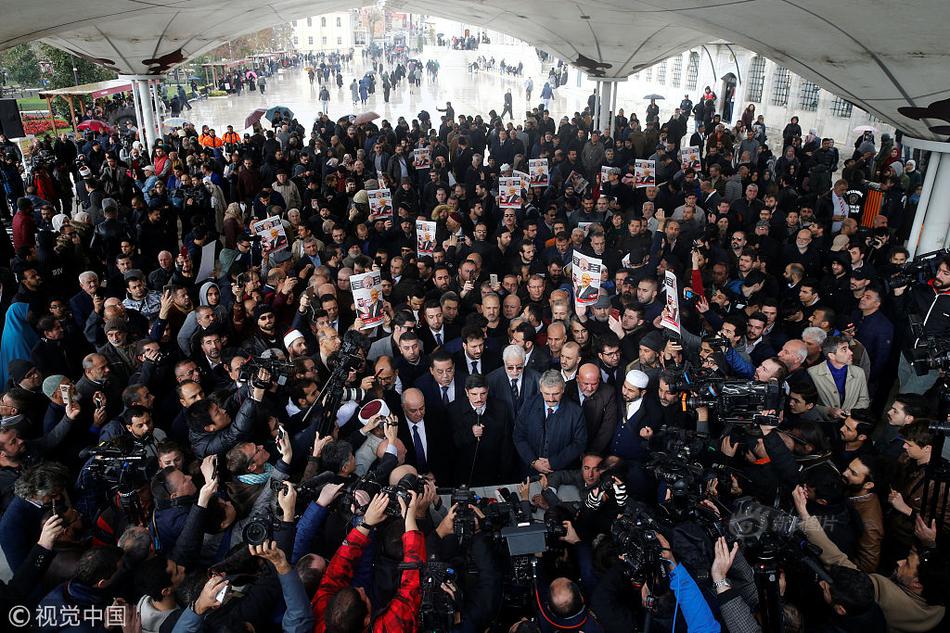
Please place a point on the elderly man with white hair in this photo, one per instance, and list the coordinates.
(513, 383)
(81, 304)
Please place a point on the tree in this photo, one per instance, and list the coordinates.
(21, 66)
(62, 64)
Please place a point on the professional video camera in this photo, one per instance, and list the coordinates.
(350, 357)
(918, 270)
(733, 400)
(437, 610)
(280, 371)
(635, 534)
(124, 465)
(401, 490)
(929, 352)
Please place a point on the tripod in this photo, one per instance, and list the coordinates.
(936, 484)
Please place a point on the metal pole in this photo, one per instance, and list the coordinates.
(922, 205)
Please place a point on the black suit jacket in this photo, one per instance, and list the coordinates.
(600, 414)
(449, 332)
(540, 360)
(499, 386)
(439, 453)
(492, 463)
(433, 394)
(488, 363)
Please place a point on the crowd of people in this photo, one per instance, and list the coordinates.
(169, 459)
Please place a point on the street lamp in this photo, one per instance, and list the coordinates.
(76, 75)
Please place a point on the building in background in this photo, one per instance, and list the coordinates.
(327, 32)
(740, 77)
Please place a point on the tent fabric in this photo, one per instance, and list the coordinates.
(845, 46)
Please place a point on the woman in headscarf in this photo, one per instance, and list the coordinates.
(19, 337)
(233, 225)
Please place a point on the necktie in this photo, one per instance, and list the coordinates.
(445, 396)
(438, 339)
(550, 412)
(420, 450)
(514, 393)
(474, 367)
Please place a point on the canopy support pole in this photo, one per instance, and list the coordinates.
(932, 220)
(52, 119)
(72, 112)
(147, 122)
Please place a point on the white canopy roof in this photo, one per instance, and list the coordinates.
(880, 56)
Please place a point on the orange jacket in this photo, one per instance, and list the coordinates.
(232, 137)
(206, 140)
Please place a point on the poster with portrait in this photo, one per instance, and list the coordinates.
(524, 176)
(576, 180)
(380, 203)
(671, 315)
(271, 232)
(689, 158)
(540, 175)
(509, 192)
(585, 226)
(425, 237)
(585, 275)
(422, 158)
(368, 298)
(645, 173)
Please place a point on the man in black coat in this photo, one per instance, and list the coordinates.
(597, 400)
(481, 433)
(427, 437)
(550, 433)
(440, 386)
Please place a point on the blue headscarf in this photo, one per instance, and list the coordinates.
(19, 337)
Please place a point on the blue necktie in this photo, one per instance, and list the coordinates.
(438, 339)
(445, 396)
(420, 450)
(514, 393)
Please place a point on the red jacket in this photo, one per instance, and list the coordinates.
(400, 614)
(24, 229)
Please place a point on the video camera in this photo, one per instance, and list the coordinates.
(918, 270)
(929, 352)
(280, 371)
(737, 401)
(437, 610)
(635, 534)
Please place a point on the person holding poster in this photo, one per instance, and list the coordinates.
(367, 298)
(425, 237)
(585, 275)
(645, 175)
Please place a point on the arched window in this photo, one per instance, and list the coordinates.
(309, 21)
(677, 71)
(841, 108)
(756, 80)
(661, 73)
(692, 71)
(780, 86)
(323, 21)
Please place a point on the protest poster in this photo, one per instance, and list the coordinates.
(645, 173)
(540, 176)
(585, 226)
(206, 269)
(577, 181)
(422, 158)
(368, 298)
(380, 203)
(689, 158)
(671, 315)
(585, 275)
(425, 237)
(271, 232)
(525, 178)
(509, 192)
